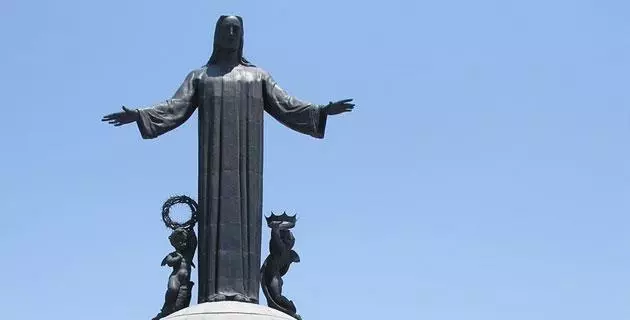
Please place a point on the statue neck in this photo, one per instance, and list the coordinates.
(227, 58)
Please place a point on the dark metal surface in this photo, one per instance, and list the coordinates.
(276, 265)
(184, 240)
(230, 95)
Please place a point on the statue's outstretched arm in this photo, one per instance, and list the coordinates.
(162, 117)
(170, 114)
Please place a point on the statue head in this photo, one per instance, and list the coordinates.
(229, 33)
(228, 37)
(179, 239)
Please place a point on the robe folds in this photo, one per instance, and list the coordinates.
(231, 106)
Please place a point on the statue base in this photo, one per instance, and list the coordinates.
(228, 310)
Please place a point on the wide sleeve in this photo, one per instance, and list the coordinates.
(298, 115)
(170, 114)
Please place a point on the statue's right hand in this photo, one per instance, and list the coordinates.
(123, 117)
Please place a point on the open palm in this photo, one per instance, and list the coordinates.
(123, 117)
(339, 107)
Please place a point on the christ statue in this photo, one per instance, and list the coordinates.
(230, 95)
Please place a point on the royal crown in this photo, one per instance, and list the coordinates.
(284, 217)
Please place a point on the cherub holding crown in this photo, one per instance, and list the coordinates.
(281, 255)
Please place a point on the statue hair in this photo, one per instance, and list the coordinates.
(215, 49)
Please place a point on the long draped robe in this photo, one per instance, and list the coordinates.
(231, 106)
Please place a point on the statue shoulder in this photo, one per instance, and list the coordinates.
(256, 71)
(196, 73)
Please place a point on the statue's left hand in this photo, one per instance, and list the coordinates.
(339, 107)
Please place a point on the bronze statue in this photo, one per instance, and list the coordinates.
(231, 96)
(281, 255)
(179, 289)
(184, 240)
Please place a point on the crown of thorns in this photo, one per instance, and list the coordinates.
(166, 209)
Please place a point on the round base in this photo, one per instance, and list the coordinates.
(228, 310)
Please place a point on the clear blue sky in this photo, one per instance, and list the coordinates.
(485, 173)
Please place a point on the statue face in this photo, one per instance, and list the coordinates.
(230, 33)
(178, 239)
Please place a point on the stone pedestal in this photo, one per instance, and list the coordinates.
(228, 311)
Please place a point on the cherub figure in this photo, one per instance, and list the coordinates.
(179, 290)
(277, 263)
